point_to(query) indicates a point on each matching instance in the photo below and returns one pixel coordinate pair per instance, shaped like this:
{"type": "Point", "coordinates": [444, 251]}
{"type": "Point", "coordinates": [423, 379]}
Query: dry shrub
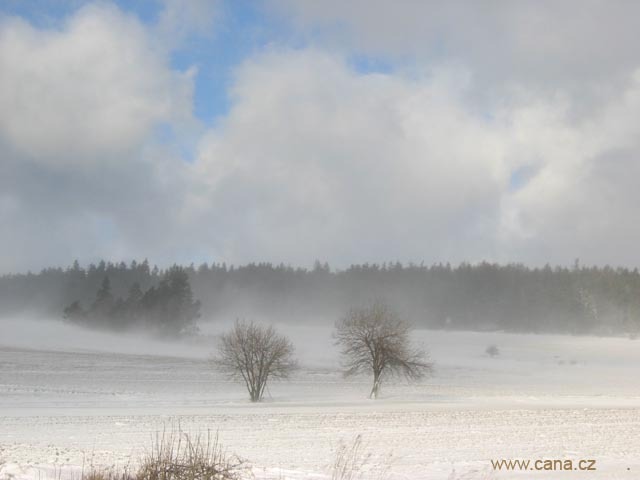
{"type": "Point", "coordinates": [493, 351]}
{"type": "Point", "coordinates": [178, 456]}
{"type": "Point", "coordinates": [353, 462]}
{"type": "Point", "coordinates": [107, 474]}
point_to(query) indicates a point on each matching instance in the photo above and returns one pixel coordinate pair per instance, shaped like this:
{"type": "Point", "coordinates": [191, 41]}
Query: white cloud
{"type": "Point", "coordinates": [93, 89]}
{"type": "Point", "coordinates": [82, 173]}
{"type": "Point", "coordinates": [585, 47]}
{"type": "Point", "coordinates": [318, 160]}
{"type": "Point", "coordinates": [582, 199]}
{"type": "Point", "coordinates": [315, 160]}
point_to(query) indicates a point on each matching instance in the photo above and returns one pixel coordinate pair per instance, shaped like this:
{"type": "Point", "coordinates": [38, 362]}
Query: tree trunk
{"type": "Point", "coordinates": [255, 394]}
{"type": "Point", "coordinates": [376, 386]}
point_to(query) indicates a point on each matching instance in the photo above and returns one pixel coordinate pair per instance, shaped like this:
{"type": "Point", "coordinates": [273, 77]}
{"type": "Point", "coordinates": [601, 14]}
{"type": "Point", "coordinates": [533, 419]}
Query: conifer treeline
{"type": "Point", "coordinates": [167, 309]}
{"type": "Point", "coordinates": [481, 297]}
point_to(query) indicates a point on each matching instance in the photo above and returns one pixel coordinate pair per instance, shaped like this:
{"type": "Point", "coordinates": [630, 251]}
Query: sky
{"type": "Point", "coordinates": [295, 130]}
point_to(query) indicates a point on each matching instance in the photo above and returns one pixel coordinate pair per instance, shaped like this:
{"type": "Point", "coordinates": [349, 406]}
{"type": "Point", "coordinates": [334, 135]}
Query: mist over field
{"type": "Point", "coordinates": [98, 359]}
{"type": "Point", "coordinates": [482, 297]}
{"type": "Point", "coordinates": [126, 352]}
{"type": "Point", "coordinates": [53, 334]}
{"type": "Point", "coordinates": [65, 387]}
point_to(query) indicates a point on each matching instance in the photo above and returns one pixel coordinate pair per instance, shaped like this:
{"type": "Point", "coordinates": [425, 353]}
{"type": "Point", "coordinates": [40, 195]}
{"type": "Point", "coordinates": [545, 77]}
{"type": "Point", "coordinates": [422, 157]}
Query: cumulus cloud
{"type": "Point", "coordinates": [584, 47]}
{"type": "Point", "coordinates": [580, 198]}
{"type": "Point", "coordinates": [318, 160]}
{"type": "Point", "coordinates": [81, 174]}
{"type": "Point", "coordinates": [94, 88]}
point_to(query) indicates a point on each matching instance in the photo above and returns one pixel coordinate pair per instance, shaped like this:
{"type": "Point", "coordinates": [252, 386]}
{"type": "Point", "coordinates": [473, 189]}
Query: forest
{"type": "Point", "coordinates": [484, 296]}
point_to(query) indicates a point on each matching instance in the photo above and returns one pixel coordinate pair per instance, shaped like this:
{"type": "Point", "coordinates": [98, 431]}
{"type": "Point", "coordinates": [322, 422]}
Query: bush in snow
{"type": "Point", "coordinates": [492, 351]}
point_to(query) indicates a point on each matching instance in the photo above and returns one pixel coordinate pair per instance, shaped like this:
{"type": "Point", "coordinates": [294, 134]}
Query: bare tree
{"type": "Point", "coordinates": [254, 354]}
{"type": "Point", "coordinates": [374, 339]}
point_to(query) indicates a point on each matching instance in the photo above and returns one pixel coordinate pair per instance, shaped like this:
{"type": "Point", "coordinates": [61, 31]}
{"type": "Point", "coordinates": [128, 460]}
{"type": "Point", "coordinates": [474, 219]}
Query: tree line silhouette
{"type": "Point", "coordinates": [167, 309]}
{"type": "Point", "coordinates": [483, 296]}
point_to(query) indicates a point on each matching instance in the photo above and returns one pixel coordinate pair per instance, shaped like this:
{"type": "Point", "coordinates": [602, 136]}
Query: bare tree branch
{"type": "Point", "coordinates": [253, 354]}
{"type": "Point", "coordinates": [374, 339]}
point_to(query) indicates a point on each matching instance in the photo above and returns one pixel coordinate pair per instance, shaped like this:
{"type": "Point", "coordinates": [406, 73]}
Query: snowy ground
{"type": "Point", "coordinates": [69, 398]}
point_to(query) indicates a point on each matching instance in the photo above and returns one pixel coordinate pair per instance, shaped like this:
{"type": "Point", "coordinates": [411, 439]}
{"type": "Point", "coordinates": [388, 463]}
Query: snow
{"type": "Point", "coordinates": [71, 398]}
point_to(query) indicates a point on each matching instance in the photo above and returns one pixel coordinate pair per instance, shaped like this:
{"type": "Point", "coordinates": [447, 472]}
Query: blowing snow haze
{"type": "Point", "coordinates": [284, 131]}
{"type": "Point", "coordinates": [180, 300]}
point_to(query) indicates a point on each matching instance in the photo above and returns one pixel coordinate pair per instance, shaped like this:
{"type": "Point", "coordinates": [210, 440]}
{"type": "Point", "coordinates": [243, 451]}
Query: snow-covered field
{"type": "Point", "coordinates": [70, 398]}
